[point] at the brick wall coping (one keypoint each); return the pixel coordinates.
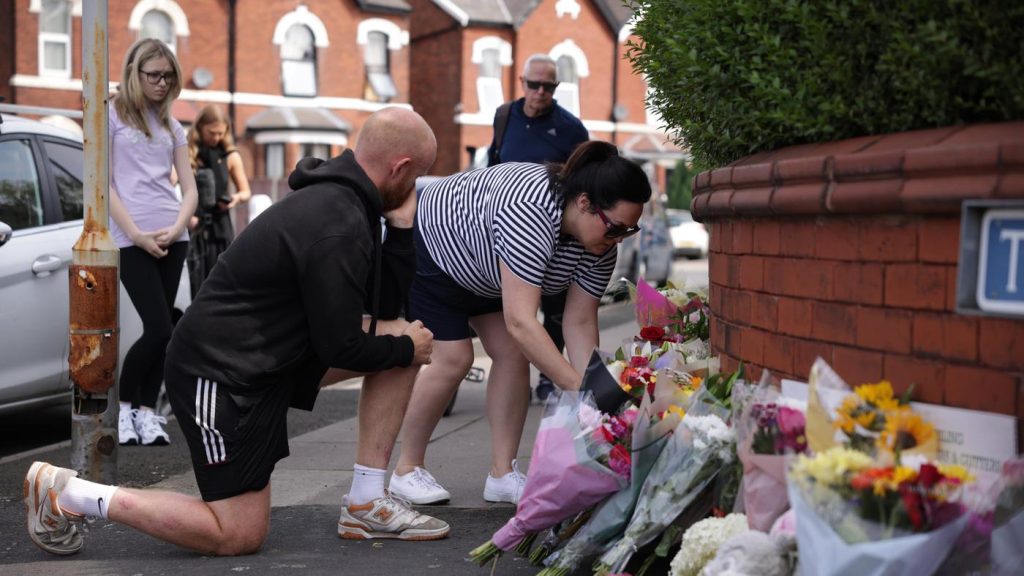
(922, 171)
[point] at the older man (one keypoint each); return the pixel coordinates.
(287, 300)
(536, 129)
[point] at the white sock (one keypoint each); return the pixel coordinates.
(125, 406)
(86, 498)
(367, 484)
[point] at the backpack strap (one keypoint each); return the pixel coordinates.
(501, 116)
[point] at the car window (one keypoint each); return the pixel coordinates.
(21, 204)
(66, 164)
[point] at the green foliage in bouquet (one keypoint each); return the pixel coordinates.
(738, 77)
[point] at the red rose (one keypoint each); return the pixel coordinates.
(652, 333)
(638, 361)
(928, 475)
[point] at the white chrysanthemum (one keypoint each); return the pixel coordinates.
(701, 542)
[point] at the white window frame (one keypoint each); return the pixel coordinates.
(173, 44)
(55, 38)
(396, 39)
(290, 66)
(178, 18)
(487, 87)
(568, 93)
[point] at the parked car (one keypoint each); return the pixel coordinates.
(647, 254)
(689, 237)
(40, 221)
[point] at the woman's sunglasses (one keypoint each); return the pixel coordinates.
(613, 230)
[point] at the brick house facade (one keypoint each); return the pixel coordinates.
(467, 57)
(307, 74)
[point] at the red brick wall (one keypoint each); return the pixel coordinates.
(436, 79)
(849, 251)
(8, 54)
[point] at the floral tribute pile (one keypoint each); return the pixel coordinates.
(664, 463)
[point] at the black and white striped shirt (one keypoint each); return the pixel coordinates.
(508, 212)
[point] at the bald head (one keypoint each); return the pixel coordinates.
(390, 135)
(395, 146)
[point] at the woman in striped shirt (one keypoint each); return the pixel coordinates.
(488, 244)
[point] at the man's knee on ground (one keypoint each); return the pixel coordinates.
(239, 539)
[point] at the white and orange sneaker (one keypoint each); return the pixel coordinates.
(48, 526)
(388, 517)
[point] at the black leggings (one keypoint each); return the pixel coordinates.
(152, 284)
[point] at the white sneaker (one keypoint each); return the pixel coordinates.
(508, 488)
(126, 434)
(418, 487)
(150, 429)
(48, 526)
(387, 517)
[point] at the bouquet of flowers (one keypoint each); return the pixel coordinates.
(702, 541)
(856, 517)
(769, 428)
(676, 314)
(1008, 519)
(870, 419)
(579, 458)
(684, 471)
(659, 414)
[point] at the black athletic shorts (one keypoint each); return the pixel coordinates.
(438, 301)
(235, 438)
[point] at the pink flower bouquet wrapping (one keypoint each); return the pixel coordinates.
(767, 431)
(580, 457)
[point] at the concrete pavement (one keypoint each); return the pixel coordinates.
(307, 490)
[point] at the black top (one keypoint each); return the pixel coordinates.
(286, 300)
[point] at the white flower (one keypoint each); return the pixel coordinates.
(702, 540)
(590, 419)
(615, 368)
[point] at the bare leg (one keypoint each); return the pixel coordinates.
(382, 405)
(228, 527)
(434, 388)
(508, 391)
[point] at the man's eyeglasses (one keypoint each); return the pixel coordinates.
(537, 85)
(613, 230)
(154, 78)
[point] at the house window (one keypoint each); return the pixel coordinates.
(488, 84)
(321, 151)
(568, 91)
(298, 62)
(379, 85)
(157, 24)
(55, 38)
(274, 160)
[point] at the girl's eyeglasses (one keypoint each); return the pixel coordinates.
(613, 230)
(154, 78)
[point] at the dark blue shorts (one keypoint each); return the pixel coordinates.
(440, 302)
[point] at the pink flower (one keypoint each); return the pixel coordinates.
(620, 461)
(791, 422)
(785, 524)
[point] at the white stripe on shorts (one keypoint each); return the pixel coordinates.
(206, 412)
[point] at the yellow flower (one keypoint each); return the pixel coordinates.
(832, 466)
(904, 429)
(958, 472)
(879, 395)
(673, 409)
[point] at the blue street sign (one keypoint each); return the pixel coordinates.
(1001, 262)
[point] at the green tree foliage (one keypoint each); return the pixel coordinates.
(735, 77)
(680, 184)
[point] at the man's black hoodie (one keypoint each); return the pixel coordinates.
(286, 300)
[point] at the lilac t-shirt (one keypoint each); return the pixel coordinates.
(140, 171)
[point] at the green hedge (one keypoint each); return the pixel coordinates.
(735, 77)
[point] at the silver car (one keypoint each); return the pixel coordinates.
(40, 221)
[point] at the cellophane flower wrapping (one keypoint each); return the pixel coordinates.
(1007, 552)
(857, 518)
(566, 476)
(659, 414)
(770, 427)
(671, 313)
(689, 462)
